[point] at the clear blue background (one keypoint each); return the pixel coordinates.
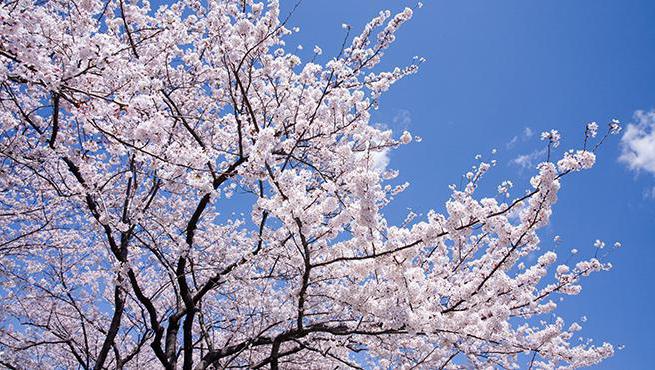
(496, 67)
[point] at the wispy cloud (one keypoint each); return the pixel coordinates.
(526, 134)
(530, 160)
(510, 144)
(649, 193)
(638, 143)
(402, 119)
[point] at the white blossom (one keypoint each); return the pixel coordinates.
(405, 138)
(552, 136)
(592, 129)
(615, 126)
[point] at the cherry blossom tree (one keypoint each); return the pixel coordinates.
(178, 190)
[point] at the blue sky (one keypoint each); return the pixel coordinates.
(496, 68)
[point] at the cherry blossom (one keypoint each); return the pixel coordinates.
(180, 190)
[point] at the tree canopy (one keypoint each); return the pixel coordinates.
(179, 190)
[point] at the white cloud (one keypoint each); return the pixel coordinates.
(403, 118)
(526, 134)
(530, 160)
(515, 213)
(649, 193)
(380, 160)
(638, 143)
